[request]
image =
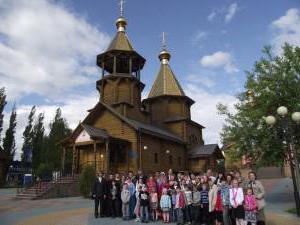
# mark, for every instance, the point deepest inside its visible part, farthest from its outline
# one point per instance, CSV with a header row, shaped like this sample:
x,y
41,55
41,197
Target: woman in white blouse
x,y
236,196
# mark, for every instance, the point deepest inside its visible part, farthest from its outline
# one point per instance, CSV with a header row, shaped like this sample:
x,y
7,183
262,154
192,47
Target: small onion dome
x,y
249,93
164,56
121,23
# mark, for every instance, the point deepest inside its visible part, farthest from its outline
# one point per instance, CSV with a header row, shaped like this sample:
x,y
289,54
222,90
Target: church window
x,y
179,161
155,158
193,140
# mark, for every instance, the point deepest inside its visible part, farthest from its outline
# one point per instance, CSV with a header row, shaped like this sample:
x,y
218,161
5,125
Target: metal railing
x,y
42,185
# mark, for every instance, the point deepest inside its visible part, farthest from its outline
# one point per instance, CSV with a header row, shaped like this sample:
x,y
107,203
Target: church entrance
x,y
118,156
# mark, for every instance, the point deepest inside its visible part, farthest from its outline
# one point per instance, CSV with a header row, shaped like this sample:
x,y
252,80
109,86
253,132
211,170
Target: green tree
x,y
28,134
2,105
86,179
274,81
9,144
58,130
38,141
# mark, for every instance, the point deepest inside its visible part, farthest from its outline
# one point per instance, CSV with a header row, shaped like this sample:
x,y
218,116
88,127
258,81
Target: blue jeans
x,y
144,213
179,214
173,216
188,213
132,202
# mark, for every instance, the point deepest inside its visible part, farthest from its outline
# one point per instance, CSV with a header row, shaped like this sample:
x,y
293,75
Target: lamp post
x,y
282,111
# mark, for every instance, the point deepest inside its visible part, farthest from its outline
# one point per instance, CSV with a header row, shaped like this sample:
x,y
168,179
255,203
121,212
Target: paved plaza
x,y
79,211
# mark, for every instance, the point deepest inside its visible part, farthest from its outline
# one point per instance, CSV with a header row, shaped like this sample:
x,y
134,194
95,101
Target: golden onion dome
x,y
121,23
164,55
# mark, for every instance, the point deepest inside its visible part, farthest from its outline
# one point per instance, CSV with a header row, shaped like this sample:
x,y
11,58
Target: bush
x,y
86,180
44,171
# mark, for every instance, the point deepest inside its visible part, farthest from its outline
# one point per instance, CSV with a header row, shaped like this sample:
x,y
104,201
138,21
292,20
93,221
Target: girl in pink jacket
x,y
250,206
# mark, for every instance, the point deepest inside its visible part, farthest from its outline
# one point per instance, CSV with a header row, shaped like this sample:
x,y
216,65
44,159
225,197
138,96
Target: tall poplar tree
x,y
2,105
9,143
28,134
37,142
58,130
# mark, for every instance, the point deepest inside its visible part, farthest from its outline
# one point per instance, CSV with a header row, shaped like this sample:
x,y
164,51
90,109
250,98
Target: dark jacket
x,y
109,187
100,188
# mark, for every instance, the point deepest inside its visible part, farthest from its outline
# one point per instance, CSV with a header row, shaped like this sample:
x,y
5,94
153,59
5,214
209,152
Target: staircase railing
x,y
44,185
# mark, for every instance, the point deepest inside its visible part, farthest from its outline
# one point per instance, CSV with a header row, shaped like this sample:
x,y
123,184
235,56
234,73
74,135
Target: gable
x,y
83,137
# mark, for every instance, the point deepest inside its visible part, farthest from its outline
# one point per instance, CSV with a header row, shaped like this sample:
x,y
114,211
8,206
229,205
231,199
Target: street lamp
x,y
282,111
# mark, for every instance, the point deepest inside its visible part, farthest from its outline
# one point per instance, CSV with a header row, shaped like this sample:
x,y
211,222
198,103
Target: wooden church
x,y
125,133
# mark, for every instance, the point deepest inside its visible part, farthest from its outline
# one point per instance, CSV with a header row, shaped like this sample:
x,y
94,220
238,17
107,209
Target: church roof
x,y
154,130
205,150
95,132
137,125
166,83
120,42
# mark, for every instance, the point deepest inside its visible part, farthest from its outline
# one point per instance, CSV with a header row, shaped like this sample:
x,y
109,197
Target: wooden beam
x,y
107,156
115,65
73,160
95,152
130,66
103,70
63,160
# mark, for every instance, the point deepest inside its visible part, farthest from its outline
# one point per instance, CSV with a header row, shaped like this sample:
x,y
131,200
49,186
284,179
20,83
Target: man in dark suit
x,y
99,194
140,175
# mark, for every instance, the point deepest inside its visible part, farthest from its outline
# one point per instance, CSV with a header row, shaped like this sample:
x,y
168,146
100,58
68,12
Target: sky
x,y
48,50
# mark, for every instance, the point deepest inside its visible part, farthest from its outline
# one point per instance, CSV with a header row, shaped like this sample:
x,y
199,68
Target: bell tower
x,y
120,86
167,103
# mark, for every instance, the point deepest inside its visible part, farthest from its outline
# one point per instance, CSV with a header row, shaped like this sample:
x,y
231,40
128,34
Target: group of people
x,y
190,198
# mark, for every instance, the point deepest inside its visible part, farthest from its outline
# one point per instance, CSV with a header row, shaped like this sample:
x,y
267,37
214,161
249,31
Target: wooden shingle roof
x,y
205,150
120,42
95,132
165,83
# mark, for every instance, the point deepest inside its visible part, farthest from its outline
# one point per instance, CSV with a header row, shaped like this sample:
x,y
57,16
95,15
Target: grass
x,y
292,210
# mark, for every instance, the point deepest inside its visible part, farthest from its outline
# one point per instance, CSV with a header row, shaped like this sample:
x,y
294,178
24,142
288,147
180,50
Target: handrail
x,y
46,185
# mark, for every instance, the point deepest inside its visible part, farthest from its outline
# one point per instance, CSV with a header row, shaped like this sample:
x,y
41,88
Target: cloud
x,y
211,16
287,29
204,111
45,48
231,11
200,79
73,109
219,60
228,12
198,38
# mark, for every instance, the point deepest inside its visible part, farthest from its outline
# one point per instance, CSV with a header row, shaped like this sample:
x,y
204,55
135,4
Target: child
x,y
236,196
250,207
154,204
144,204
196,204
125,197
165,205
204,203
188,205
179,205
173,201
139,186
115,198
